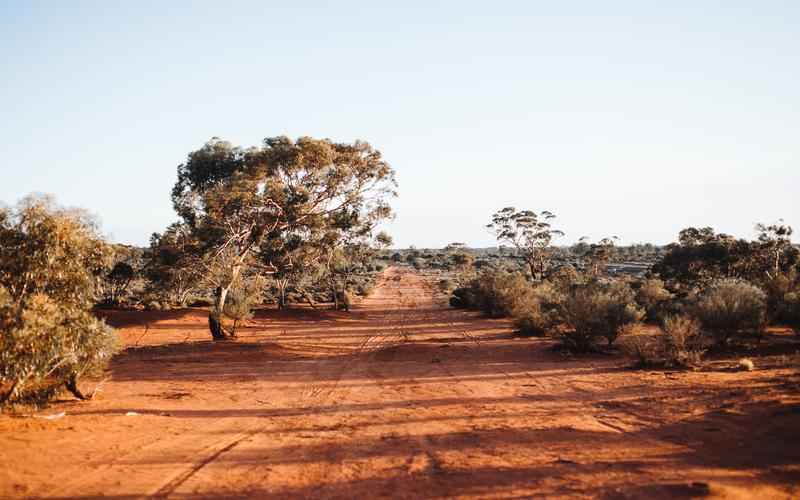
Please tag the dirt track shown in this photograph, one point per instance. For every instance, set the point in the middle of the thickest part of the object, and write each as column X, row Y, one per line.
column 406, row 398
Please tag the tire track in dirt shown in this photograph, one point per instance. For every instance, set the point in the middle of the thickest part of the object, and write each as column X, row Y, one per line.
column 317, row 394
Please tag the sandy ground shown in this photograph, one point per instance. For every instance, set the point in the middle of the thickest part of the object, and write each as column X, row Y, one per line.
column 404, row 398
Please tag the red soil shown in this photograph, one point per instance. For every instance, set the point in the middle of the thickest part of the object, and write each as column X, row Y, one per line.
column 406, row 398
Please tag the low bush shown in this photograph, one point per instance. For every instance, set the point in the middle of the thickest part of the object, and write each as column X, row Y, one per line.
column 597, row 310
column 646, row 349
column 49, row 261
column 683, row 341
column 652, row 296
column 731, row 308
column 537, row 313
column 680, row 342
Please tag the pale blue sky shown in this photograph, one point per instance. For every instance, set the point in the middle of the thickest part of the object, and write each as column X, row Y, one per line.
column 626, row 118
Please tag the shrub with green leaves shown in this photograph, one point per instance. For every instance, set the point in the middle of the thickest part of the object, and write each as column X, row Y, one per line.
column 680, row 342
column 499, row 293
column 537, row 313
column 244, row 296
column 50, row 261
column 683, row 341
column 597, row 310
column 652, row 296
column 730, row 308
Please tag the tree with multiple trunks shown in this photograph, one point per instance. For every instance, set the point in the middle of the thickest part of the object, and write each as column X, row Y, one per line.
column 530, row 233
column 775, row 244
column 232, row 199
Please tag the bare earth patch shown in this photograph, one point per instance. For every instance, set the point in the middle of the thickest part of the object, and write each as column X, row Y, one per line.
column 404, row 398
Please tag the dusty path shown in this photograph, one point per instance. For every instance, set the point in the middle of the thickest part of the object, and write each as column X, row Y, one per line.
column 401, row 398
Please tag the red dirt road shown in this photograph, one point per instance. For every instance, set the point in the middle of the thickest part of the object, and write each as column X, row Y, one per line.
column 404, row 398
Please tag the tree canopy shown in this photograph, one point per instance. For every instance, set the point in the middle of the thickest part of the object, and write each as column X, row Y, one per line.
column 232, row 199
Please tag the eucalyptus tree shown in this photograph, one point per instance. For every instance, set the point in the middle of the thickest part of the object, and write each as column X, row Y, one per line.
column 232, row 198
column 173, row 269
column 599, row 254
column 775, row 243
column 350, row 245
column 531, row 234
column 292, row 258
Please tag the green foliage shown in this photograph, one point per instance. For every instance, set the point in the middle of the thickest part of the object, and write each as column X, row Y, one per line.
column 502, row 294
column 50, row 262
column 598, row 255
column 597, row 310
column 730, row 307
column 652, row 296
column 173, row 270
column 531, row 234
column 703, row 256
column 683, row 341
column 242, row 299
column 680, row 342
column 498, row 293
column 233, row 199
column 538, row 312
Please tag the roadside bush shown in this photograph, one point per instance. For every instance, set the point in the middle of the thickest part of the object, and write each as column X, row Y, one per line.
column 536, row 313
column 597, row 310
column 499, row 293
column 729, row 308
column 49, row 261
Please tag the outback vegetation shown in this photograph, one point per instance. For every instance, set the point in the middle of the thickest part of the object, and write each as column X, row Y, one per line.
column 703, row 292
column 278, row 260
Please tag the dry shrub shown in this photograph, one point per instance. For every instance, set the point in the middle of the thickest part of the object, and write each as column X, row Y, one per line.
column 500, row 293
column 683, row 341
column 49, row 260
column 652, row 296
column 646, row 349
column 494, row 292
column 598, row 310
column 729, row 308
column 680, row 342
column 536, row 313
